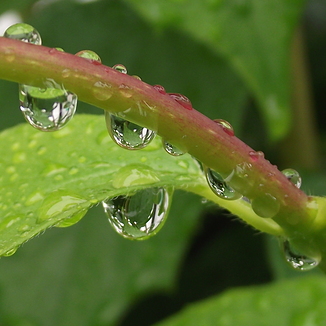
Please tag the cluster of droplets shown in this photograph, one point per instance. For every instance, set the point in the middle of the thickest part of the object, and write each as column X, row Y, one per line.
column 141, row 214
column 48, row 108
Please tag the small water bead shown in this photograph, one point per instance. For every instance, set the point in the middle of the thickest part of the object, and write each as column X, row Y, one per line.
column 137, row 77
column 141, row 215
column 127, row 134
column 160, row 89
column 47, row 109
column 125, row 90
column 171, row 149
column 102, row 91
column 293, row 176
column 23, row 32
column 90, row 55
column 297, row 260
column 121, row 68
column 255, row 156
column 226, row 126
column 182, row 100
column 219, row 186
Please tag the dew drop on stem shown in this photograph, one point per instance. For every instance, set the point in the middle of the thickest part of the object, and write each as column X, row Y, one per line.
column 220, row 186
column 298, row 260
column 140, row 215
column 121, row 68
column 293, row 176
column 182, row 100
column 171, row 149
column 48, row 108
column 89, row 55
column 126, row 134
column 160, row 89
column 226, row 126
column 23, row 32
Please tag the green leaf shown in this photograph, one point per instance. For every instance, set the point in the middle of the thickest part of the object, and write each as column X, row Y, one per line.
column 48, row 178
column 255, row 36
column 300, row 301
column 88, row 275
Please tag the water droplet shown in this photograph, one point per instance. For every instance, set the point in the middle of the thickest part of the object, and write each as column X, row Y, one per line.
column 182, row 100
column 160, row 89
column 34, row 198
column 220, row 186
column 71, row 220
column 293, row 176
column 47, row 109
column 102, row 91
column 23, row 32
column 73, row 170
column 66, row 73
column 121, row 68
column 127, row 134
column 9, row 55
column 141, row 215
column 171, row 149
column 133, row 175
column 61, row 203
column 265, row 205
column 254, row 156
column 125, row 90
column 90, row 55
column 137, row 77
column 297, row 260
column 226, row 126
column 10, row 252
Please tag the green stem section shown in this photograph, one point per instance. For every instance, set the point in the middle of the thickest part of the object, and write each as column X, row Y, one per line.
column 125, row 96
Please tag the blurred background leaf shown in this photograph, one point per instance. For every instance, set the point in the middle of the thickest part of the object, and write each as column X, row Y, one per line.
column 231, row 58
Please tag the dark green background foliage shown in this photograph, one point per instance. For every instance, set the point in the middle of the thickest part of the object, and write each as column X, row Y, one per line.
column 231, row 58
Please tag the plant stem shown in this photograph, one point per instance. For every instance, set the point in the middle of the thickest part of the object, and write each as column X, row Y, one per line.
column 125, row 96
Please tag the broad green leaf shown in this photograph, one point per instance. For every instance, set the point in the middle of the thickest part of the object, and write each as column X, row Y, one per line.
column 297, row 302
column 47, row 178
column 88, row 275
column 254, row 35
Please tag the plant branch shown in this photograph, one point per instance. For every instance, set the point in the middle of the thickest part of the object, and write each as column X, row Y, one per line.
column 247, row 171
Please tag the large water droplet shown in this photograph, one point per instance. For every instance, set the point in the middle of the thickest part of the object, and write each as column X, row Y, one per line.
column 23, row 32
column 297, row 260
column 182, row 100
column 90, row 55
column 220, row 186
column 141, row 215
column 171, row 149
column 47, row 109
column 293, row 176
column 127, row 134
column 226, row 126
